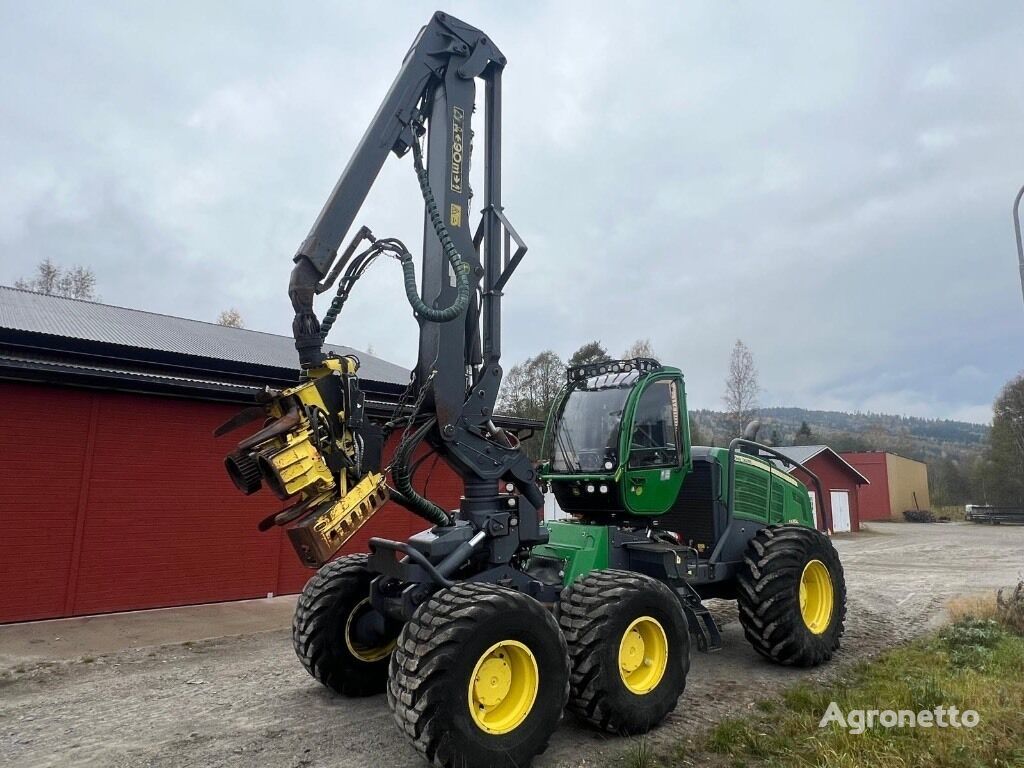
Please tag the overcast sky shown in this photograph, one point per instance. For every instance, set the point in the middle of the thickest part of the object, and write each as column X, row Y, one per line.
column 832, row 186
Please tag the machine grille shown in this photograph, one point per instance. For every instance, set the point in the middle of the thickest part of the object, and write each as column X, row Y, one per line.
column 751, row 491
column 693, row 514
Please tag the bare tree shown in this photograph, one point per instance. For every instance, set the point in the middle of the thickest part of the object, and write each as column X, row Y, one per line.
column 741, row 389
column 76, row 282
column 230, row 317
column 639, row 348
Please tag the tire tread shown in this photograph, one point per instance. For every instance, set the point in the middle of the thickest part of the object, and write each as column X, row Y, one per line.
column 769, row 611
column 428, row 644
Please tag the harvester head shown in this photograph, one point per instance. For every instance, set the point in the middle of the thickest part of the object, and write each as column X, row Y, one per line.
column 317, row 450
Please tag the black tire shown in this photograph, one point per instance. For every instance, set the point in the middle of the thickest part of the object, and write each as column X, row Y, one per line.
column 769, row 596
column 440, row 651
column 319, row 629
column 595, row 613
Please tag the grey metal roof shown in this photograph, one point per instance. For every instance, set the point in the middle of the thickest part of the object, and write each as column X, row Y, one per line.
column 801, row 453
column 804, row 453
column 132, row 378
column 90, row 321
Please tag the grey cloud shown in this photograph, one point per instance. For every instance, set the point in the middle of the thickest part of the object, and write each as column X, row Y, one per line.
column 831, row 184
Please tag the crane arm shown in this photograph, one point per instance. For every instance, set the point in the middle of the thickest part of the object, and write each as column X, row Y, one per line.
column 317, row 449
column 443, row 61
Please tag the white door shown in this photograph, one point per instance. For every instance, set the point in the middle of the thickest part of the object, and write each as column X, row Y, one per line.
column 840, row 511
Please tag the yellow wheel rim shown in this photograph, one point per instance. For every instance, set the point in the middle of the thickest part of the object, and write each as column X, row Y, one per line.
column 503, row 687
column 362, row 652
column 816, row 596
column 643, row 655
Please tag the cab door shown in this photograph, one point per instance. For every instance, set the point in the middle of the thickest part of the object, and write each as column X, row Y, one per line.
column 656, row 444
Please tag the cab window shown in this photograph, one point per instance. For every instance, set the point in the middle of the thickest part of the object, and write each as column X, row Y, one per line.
column 654, row 440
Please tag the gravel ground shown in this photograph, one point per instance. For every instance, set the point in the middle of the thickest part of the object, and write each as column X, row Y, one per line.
column 244, row 700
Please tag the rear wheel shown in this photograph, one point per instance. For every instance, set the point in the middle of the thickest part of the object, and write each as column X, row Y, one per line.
column 629, row 647
column 326, row 629
column 792, row 595
column 479, row 677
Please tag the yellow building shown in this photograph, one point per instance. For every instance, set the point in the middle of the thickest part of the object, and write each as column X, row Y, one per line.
column 897, row 484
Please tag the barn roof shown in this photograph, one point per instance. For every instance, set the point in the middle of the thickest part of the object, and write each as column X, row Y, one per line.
column 88, row 323
column 804, row 453
column 71, row 342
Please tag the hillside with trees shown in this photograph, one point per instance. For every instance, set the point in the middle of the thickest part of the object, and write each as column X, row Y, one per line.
column 918, row 438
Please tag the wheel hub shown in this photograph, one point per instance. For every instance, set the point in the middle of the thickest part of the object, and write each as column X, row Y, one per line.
column 493, row 682
column 643, row 655
column 503, row 687
column 632, row 654
column 816, row 597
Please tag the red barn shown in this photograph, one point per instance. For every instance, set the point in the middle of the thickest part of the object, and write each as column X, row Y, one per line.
column 841, row 481
column 897, row 484
column 113, row 494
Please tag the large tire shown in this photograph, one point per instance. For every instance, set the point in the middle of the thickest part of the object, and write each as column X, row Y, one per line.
column 780, row 624
column 320, row 629
column 599, row 616
column 444, row 687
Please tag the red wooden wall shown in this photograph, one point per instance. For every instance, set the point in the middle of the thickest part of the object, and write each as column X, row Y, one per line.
column 874, row 498
column 113, row 501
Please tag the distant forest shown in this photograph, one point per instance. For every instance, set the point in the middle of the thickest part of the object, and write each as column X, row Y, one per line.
column 916, row 438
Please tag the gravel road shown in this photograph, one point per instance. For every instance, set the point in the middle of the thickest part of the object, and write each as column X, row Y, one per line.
column 244, row 700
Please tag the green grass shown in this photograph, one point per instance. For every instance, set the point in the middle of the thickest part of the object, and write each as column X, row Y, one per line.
column 974, row 664
column 641, row 755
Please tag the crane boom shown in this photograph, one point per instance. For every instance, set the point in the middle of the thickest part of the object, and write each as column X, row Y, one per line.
column 325, row 441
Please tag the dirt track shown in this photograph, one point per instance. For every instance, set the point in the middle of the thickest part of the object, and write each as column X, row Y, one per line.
column 244, row 700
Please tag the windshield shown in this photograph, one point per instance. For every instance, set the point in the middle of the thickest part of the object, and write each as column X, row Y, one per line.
column 587, row 433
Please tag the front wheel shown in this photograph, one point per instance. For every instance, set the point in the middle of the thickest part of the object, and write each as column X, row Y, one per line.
column 479, row 677
column 792, row 595
column 332, row 608
column 630, row 649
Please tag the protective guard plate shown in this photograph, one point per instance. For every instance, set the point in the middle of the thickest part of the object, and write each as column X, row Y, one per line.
column 319, row 537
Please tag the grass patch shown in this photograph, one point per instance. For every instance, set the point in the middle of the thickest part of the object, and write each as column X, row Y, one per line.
column 641, row 755
column 1010, row 608
column 1005, row 607
column 981, row 605
column 974, row 664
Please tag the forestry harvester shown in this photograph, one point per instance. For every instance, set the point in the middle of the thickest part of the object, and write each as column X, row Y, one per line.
column 489, row 623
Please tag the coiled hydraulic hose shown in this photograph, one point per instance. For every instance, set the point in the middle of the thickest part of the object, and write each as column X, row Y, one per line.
column 357, row 267
column 460, row 267
column 407, row 495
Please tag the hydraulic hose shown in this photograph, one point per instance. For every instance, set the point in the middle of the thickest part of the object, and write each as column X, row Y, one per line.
column 395, row 247
column 407, row 495
column 460, row 267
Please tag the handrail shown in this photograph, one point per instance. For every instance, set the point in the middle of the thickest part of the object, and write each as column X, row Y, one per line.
column 826, row 506
column 415, row 555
